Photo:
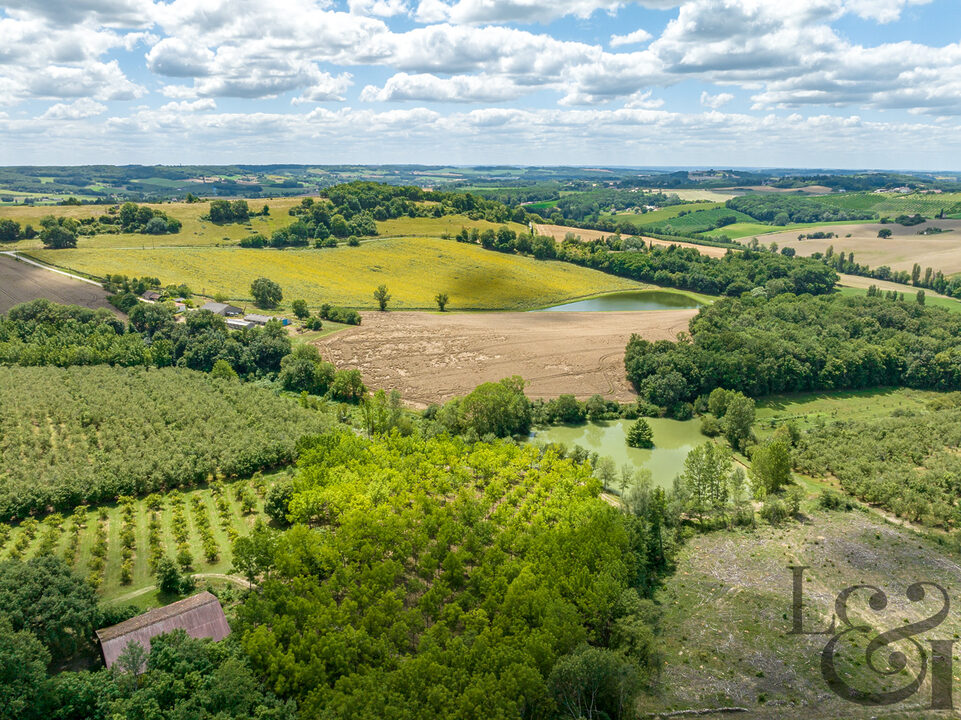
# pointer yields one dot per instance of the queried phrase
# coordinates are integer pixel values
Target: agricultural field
(899, 252)
(697, 221)
(449, 225)
(752, 228)
(96, 540)
(559, 232)
(724, 634)
(657, 216)
(695, 195)
(414, 269)
(21, 282)
(431, 358)
(893, 204)
(195, 231)
(91, 433)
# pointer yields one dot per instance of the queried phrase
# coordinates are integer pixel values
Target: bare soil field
(21, 282)
(432, 357)
(899, 252)
(559, 231)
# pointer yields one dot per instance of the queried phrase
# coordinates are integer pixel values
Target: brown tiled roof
(200, 616)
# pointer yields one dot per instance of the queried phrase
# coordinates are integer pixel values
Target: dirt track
(21, 282)
(558, 232)
(432, 357)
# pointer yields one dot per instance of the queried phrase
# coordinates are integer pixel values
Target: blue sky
(799, 83)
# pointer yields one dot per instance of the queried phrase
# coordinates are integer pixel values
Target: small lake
(642, 300)
(673, 440)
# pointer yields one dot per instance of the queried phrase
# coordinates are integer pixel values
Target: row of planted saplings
(54, 525)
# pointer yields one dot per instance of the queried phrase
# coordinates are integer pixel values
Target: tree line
(670, 266)
(760, 346)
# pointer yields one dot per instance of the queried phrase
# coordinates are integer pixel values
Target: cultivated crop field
(448, 225)
(21, 282)
(195, 231)
(657, 216)
(752, 228)
(95, 540)
(414, 269)
(899, 252)
(927, 204)
(433, 357)
(698, 221)
(559, 232)
(88, 434)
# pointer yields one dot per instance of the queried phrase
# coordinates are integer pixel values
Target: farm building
(221, 309)
(150, 296)
(264, 319)
(238, 324)
(200, 616)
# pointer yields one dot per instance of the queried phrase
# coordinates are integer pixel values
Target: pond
(632, 300)
(673, 440)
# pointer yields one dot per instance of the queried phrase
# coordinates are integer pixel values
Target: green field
(414, 269)
(195, 232)
(909, 293)
(110, 582)
(699, 221)
(927, 204)
(754, 228)
(808, 409)
(656, 216)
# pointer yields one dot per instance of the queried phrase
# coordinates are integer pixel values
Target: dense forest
(45, 333)
(907, 463)
(434, 578)
(788, 343)
(781, 209)
(88, 434)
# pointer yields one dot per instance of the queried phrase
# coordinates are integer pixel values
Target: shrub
(774, 511)
(640, 434)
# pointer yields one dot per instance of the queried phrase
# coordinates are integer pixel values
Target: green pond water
(632, 300)
(673, 440)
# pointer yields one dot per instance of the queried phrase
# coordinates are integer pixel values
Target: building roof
(200, 616)
(239, 324)
(150, 295)
(221, 308)
(259, 319)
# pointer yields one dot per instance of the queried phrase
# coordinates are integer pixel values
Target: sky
(718, 83)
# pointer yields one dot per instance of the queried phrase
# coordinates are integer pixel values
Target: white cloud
(326, 88)
(522, 11)
(643, 99)
(380, 8)
(77, 110)
(63, 13)
(883, 11)
(634, 38)
(715, 101)
(430, 88)
(185, 106)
